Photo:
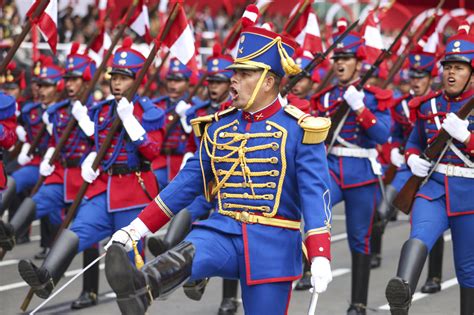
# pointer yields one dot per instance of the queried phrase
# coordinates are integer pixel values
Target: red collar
(263, 114)
(466, 95)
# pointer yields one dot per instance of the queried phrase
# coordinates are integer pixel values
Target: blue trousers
(93, 223)
(430, 220)
(25, 177)
(360, 205)
(50, 202)
(403, 174)
(222, 255)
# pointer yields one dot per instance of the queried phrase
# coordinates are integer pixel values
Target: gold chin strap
(287, 63)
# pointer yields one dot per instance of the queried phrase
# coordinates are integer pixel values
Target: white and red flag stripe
(306, 29)
(140, 22)
(48, 22)
(249, 18)
(373, 37)
(180, 40)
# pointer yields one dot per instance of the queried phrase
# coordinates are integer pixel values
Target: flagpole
(26, 29)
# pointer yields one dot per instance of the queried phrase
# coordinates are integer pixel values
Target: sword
(68, 283)
(313, 303)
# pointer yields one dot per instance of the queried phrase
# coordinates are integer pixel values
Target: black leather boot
(178, 229)
(135, 288)
(8, 194)
(360, 284)
(401, 288)
(376, 243)
(305, 282)
(18, 225)
(42, 280)
(435, 268)
(467, 301)
(90, 281)
(229, 302)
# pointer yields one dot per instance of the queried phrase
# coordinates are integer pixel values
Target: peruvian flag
(180, 40)
(48, 22)
(249, 18)
(101, 43)
(306, 29)
(373, 37)
(431, 42)
(140, 22)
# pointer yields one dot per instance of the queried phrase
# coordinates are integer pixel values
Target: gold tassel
(139, 263)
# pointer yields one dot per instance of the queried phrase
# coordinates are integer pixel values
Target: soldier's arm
(8, 136)
(376, 123)
(313, 184)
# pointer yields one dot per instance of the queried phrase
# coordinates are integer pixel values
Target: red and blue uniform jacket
(68, 168)
(8, 135)
(261, 167)
(366, 131)
(31, 116)
(430, 110)
(174, 142)
(136, 155)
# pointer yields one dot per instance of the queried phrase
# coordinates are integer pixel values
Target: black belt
(69, 163)
(170, 151)
(122, 169)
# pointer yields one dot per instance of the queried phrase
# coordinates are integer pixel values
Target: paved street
(335, 301)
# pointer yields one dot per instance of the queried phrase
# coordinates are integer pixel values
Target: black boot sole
(29, 274)
(397, 296)
(120, 273)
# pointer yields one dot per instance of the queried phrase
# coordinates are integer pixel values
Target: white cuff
(140, 227)
(134, 129)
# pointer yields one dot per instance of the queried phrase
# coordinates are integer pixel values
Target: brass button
(374, 121)
(268, 127)
(278, 134)
(244, 216)
(101, 119)
(170, 117)
(246, 195)
(274, 173)
(275, 146)
(234, 128)
(274, 160)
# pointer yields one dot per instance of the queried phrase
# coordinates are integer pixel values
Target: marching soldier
(265, 182)
(422, 68)
(127, 164)
(446, 200)
(353, 163)
(176, 129)
(8, 135)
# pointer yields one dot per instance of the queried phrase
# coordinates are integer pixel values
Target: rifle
(404, 200)
(86, 92)
(40, 7)
(318, 58)
(412, 41)
(343, 110)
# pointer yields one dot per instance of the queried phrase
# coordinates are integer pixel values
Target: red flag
(306, 29)
(372, 36)
(48, 22)
(249, 18)
(180, 40)
(140, 22)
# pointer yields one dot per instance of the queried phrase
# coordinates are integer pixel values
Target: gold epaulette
(315, 128)
(200, 123)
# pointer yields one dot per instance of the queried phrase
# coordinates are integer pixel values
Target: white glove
(181, 108)
(87, 173)
(186, 157)
(321, 273)
(45, 168)
(21, 133)
(396, 158)
(354, 98)
(23, 157)
(49, 126)
(132, 126)
(456, 127)
(134, 231)
(418, 166)
(79, 112)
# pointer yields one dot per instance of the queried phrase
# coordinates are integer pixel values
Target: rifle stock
(404, 200)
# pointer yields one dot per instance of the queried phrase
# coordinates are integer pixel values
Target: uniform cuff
(470, 145)
(366, 119)
(411, 151)
(155, 215)
(318, 245)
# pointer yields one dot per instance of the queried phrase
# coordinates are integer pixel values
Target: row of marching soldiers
(157, 138)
